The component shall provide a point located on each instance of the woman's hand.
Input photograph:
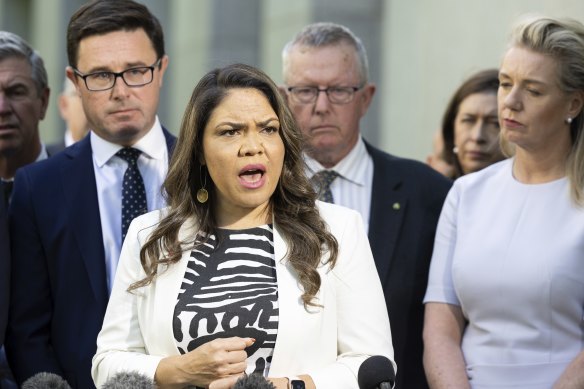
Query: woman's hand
(210, 363)
(284, 383)
(225, 383)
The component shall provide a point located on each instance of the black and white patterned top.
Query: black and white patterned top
(230, 289)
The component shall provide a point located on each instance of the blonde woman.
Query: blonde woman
(505, 298)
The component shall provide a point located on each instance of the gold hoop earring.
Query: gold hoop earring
(202, 194)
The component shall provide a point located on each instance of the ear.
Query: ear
(365, 98)
(576, 104)
(45, 101)
(162, 70)
(63, 104)
(74, 79)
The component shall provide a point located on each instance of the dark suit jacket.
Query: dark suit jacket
(406, 201)
(4, 266)
(59, 290)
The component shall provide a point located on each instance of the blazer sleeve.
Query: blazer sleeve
(28, 339)
(120, 344)
(440, 284)
(363, 328)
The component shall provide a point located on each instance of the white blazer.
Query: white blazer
(328, 343)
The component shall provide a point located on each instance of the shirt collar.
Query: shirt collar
(69, 138)
(351, 168)
(149, 145)
(43, 154)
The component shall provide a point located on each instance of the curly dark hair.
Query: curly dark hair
(292, 204)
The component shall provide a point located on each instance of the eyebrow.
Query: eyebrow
(268, 121)
(127, 66)
(237, 125)
(525, 81)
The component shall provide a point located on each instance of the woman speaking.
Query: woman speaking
(244, 272)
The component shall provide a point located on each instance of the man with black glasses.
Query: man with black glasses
(69, 214)
(327, 86)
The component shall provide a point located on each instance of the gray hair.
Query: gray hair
(328, 34)
(11, 45)
(562, 40)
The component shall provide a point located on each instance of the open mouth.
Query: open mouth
(252, 175)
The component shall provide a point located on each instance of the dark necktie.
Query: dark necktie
(7, 188)
(322, 181)
(133, 192)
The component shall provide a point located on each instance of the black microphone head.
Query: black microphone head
(253, 381)
(374, 371)
(129, 380)
(45, 381)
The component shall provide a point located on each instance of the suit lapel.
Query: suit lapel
(170, 142)
(388, 207)
(289, 317)
(78, 180)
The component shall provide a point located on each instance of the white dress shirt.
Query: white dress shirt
(109, 173)
(352, 189)
(69, 138)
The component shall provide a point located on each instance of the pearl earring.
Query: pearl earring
(569, 120)
(455, 150)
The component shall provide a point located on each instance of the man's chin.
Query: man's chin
(125, 135)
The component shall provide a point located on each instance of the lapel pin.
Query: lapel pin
(396, 206)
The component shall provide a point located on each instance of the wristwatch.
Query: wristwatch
(296, 383)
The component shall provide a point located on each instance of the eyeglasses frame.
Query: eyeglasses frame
(120, 75)
(353, 89)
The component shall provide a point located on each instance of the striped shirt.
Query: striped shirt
(230, 289)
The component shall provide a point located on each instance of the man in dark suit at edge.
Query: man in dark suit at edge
(5, 374)
(66, 217)
(24, 98)
(326, 83)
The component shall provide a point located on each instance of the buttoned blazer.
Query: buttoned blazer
(329, 343)
(59, 289)
(406, 200)
(4, 266)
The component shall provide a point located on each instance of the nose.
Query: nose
(322, 103)
(5, 106)
(251, 144)
(120, 89)
(512, 100)
(478, 132)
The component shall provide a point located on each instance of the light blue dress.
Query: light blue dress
(511, 256)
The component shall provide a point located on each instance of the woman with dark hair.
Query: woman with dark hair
(505, 297)
(244, 272)
(470, 126)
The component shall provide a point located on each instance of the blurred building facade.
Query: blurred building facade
(419, 51)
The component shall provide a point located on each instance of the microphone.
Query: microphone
(376, 372)
(45, 381)
(129, 380)
(253, 381)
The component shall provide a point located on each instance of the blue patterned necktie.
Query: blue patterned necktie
(322, 181)
(133, 192)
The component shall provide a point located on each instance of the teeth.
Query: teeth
(249, 177)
